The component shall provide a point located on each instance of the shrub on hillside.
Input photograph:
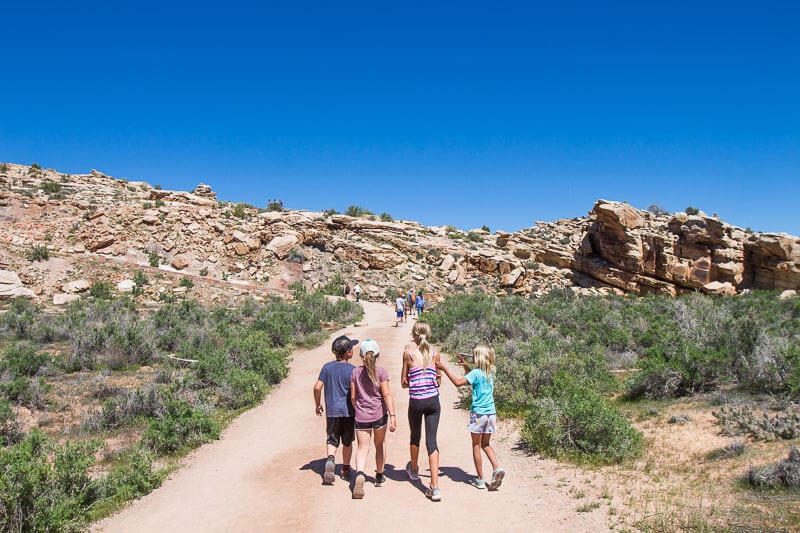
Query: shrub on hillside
(180, 427)
(22, 360)
(133, 476)
(44, 486)
(102, 290)
(574, 420)
(243, 388)
(38, 252)
(781, 475)
(9, 425)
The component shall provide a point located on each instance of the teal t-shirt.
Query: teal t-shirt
(482, 392)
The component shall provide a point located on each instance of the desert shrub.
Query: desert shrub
(742, 419)
(334, 286)
(26, 391)
(9, 425)
(19, 321)
(186, 282)
(295, 256)
(102, 290)
(657, 210)
(274, 205)
(357, 211)
(733, 449)
(180, 427)
(38, 252)
(574, 420)
(132, 477)
(386, 217)
(781, 475)
(51, 187)
(119, 411)
(692, 210)
(474, 237)
(241, 210)
(140, 279)
(22, 360)
(250, 350)
(44, 486)
(203, 271)
(243, 388)
(153, 259)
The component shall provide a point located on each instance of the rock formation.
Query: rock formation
(86, 218)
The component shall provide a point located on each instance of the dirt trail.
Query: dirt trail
(264, 474)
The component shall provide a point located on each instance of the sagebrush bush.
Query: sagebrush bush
(22, 360)
(243, 388)
(180, 427)
(9, 425)
(573, 419)
(44, 486)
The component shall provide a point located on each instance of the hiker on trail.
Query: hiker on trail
(334, 378)
(410, 301)
(346, 290)
(400, 309)
(374, 409)
(420, 304)
(420, 377)
(357, 291)
(482, 412)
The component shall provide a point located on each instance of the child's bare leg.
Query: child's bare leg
(433, 460)
(488, 450)
(363, 436)
(476, 454)
(332, 449)
(380, 449)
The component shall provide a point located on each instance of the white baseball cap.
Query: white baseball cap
(369, 345)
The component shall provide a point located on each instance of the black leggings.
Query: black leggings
(430, 409)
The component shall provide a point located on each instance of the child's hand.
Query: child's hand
(319, 410)
(392, 423)
(439, 365)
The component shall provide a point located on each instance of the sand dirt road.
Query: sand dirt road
(264, 474)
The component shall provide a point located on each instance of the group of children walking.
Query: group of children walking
(360, 406)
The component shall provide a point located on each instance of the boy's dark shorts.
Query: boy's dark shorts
(340, 428)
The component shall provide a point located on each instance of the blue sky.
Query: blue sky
(468, 113)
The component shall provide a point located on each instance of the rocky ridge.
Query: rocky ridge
(87, 220)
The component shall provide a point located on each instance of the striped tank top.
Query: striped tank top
(422, 383)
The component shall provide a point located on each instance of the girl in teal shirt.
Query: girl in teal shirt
(482, 413)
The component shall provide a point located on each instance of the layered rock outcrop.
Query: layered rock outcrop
(615, 248)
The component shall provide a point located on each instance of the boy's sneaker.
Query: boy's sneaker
(477, 483)
(329, 477)
(435, 495)
(358, 488)
(413, 475)
(346, 472)
(380, 479)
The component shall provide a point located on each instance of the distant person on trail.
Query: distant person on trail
(410, 300)
(482, 412)
(357, 291)
(346, 291)
(334, 378)
(420, 304)
(374, 408)
(420, 377)
(400, 309)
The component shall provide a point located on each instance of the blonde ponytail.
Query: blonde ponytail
(369, 364)
(421, 331)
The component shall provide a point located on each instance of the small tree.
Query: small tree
(657, 210)
(692, 210)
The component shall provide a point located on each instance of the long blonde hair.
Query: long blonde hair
(484, 357)
(421, 331)
(369, 364)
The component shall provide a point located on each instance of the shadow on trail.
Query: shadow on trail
(455, 473)
(317, 466)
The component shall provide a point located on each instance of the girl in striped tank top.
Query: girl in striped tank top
(420, 377)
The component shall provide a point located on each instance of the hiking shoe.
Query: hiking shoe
(358, 489)
(477, 483)
(413, 475)
(346, 473)
(329, 477)
(380, 479)
(434, 495)
(497, 479)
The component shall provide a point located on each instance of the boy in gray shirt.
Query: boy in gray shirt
(334, 378)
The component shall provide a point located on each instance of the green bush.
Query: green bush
(186, 282)
(132, 477)
(386, 217)
(26, 391)
(181, 427)
(357, 211)
(244, 388)
(44, 486)
(22, 360)
(38, 252)
(153, 259)
(102, 290)
(574, 420)
(692, 210)
(9, 425)
(51, 187)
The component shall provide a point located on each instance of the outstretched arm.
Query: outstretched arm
(457, 381)
(404, 372)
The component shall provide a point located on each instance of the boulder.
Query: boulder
(282, 245)
(64, 299)
(79, 285)
(126, 285)
(11, 286)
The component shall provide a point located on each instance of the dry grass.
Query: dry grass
(680, 484)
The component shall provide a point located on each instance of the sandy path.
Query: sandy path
(264, 474)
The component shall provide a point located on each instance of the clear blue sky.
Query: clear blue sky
(463, 113)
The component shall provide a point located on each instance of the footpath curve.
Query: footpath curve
(264, 474)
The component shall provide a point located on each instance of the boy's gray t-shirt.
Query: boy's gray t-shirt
(335, 375)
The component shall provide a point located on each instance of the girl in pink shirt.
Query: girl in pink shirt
(374, 409)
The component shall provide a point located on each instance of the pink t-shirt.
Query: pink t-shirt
(369, 400)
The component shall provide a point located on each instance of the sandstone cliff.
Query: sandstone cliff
(98, 227)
